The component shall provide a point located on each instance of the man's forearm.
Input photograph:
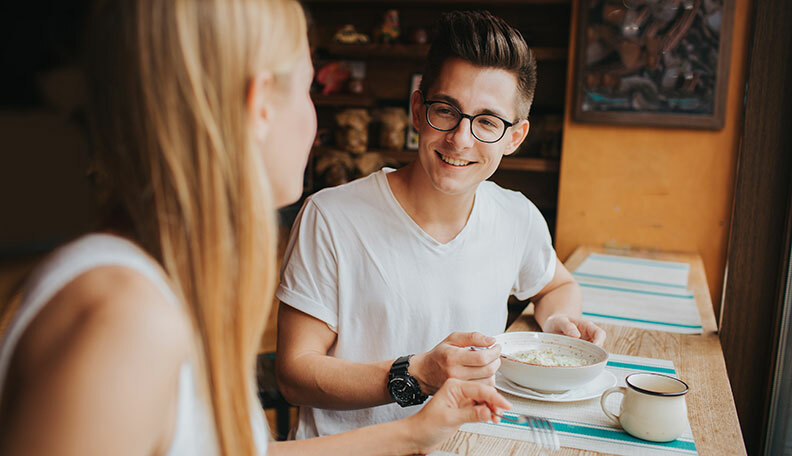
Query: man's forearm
(324, 381)
(563, 300)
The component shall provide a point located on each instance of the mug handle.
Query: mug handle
(608, 392)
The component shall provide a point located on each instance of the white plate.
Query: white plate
(590, 390)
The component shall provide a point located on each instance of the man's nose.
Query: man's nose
(462, 135)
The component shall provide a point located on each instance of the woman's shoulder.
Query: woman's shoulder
(106, 349)
(114, 302)
(99, 283)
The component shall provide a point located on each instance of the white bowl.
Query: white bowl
(549, 379)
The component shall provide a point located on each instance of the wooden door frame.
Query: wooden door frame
(759, 239)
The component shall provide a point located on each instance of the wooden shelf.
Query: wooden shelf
(342, 99)
(363, 51)
(550, 53)
(425, 2)
(544, 165)
(415, 51)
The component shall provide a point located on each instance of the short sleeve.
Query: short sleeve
(309, 273)
(538, 264)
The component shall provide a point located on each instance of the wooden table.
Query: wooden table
(697, 358)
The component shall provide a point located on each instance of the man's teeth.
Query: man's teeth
(451, 161)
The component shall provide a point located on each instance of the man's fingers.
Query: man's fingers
(472, 372)
(478, 358)
(569, 328)
(470, 339)
(592, 332)
(599, 336)
(488, 381)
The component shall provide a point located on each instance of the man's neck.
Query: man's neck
(440, 215)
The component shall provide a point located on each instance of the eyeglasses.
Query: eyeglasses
(487, 128)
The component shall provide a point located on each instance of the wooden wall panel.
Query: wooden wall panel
(669, 189)
(762, 225)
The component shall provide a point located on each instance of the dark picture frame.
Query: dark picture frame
(653, 63)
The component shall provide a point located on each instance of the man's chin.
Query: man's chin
(453, 187)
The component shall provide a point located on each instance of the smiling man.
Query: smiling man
(388, 280)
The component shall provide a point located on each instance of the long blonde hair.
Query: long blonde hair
(169, 91)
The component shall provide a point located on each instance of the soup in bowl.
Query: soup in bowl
(549, 363)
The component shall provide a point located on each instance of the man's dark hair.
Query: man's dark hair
(483, 40)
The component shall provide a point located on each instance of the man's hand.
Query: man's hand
(452, 358)
(574, 327)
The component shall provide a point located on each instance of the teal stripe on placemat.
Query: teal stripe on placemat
(646, 262)
(613, 317)
(627, 290)
(664, 370)
(622, 279)
(611, 434)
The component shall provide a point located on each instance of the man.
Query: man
(388, 265)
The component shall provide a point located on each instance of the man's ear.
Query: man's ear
(259, 103)
(416, 103)
(515, 135)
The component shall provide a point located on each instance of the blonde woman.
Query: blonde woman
(142, 339)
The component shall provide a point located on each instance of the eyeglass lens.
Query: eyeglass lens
(446, 117)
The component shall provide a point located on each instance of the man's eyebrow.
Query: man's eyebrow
(455, 102)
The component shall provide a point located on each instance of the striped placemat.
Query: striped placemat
(639, 293)
(636, 271)
(583, 425)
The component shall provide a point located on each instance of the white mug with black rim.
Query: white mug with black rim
(653, 407)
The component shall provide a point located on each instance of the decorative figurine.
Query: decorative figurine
(419, 35)
(352, 131)
(372, 161)
(324, 137)
(348, 35)
(388, 32)
(356, 86)
(393, 127)
(334, 167)
(357, 76)
(333, 76)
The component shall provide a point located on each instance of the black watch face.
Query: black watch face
(401, 389)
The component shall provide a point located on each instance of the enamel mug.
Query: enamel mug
(653, 407)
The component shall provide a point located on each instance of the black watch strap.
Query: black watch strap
(403, 387)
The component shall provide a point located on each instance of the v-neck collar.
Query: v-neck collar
(398, 209)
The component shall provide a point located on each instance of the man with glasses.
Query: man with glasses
(380, 271)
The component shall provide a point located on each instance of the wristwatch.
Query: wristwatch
(403, 387)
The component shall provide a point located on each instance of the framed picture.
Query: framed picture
(412, 134)
(662, 63)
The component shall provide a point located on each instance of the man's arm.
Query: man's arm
(557, 308)
(308, 376)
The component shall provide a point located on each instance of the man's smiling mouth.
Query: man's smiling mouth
(453, 161)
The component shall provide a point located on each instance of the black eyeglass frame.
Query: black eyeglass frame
(462, 115)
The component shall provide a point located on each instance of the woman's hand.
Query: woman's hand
(456, 403)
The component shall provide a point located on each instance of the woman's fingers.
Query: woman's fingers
(484, 394)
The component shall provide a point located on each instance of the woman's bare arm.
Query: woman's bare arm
(97, 370)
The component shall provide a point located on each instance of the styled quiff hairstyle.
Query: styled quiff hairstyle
(483, 40)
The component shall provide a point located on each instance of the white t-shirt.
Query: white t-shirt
(359, 263)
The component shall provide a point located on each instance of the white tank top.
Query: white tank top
(194, 433)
